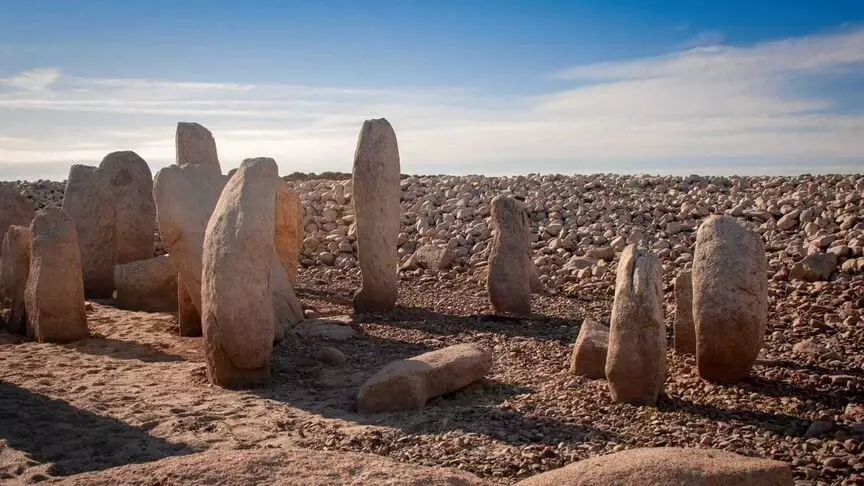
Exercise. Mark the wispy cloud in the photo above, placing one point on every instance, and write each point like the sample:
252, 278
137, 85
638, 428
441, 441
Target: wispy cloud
702, 104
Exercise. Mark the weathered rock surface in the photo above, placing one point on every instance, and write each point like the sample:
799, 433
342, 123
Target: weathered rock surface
185, 197
289, 230
15, 209
376, 209
508, 280
14, 268
409, 383
196, 146
636, 360
684, 328
89, 200
131, 183
430, 256
54, 297
668, 466
329, 328
730, 299
278, 467
147, 285
238, 316
818, 266
589, 352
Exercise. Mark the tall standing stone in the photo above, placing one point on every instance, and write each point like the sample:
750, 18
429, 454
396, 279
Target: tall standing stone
730, 299
636, 359
14, 268
377, 193
54, 297
89, 201
131, 183
15, 209
240, 260
289, 230
185, 197
196, 146
684, 330
508, 279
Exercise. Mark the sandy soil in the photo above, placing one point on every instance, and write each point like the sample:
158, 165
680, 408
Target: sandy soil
136, 392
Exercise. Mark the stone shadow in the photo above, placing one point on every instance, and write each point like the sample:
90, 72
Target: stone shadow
115, 348
74, 440
779, 423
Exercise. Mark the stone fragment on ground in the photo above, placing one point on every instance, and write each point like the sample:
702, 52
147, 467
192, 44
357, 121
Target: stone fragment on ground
589, 351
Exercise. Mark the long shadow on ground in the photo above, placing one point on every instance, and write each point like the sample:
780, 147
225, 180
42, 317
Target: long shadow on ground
74, 440
118, 349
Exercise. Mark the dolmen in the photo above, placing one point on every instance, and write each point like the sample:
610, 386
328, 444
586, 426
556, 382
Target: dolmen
376, 198
245, 292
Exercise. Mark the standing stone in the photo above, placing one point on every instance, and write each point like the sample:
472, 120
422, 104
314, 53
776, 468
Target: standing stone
185, 197
236, 293
589, 351
15, 209
508, 279
377, 194
289, 230
14, 268
684, 330
287, 310
89, 200
147, 285
636, 360
131, 182
730, 299
196, 146
54, 297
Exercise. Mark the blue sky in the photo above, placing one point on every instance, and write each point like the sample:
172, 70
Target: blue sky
471, 87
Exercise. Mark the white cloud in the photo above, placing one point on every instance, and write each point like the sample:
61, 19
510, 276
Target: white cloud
702, 104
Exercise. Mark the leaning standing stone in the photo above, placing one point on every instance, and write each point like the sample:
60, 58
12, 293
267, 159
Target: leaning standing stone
730, 299
636, 361
185, 197
684, 329
376, 207
14, 268
54, 297
196, 146
14, 209
131, 182
89, 201
236, 294
508, 280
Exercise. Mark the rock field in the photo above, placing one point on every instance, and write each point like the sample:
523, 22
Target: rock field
803, 404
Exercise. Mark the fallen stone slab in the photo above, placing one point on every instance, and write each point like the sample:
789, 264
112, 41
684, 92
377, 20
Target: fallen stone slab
407, 384
589, 352
280, 467
430, 257
662, 466
331, 328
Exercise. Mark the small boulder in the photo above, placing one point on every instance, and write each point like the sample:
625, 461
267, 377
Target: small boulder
636, 360
668, 466
589, 352
409, 383
606, 253
147, 285
54, 297
329, 328
431, 257
331, 356
580, 262
815, 267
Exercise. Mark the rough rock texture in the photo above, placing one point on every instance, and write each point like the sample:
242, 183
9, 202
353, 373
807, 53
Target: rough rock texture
589, 352
815, 267
188, 317
131, 182
54, 297
636, 361
409, 383
684, 328
430, 256
14, 268
508, 280
289, 230
147, 285
185, 197
278, 467
14, 208
236, 293
196, 146
668, 466
287, 310
730, 299
376, 208
89, 200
